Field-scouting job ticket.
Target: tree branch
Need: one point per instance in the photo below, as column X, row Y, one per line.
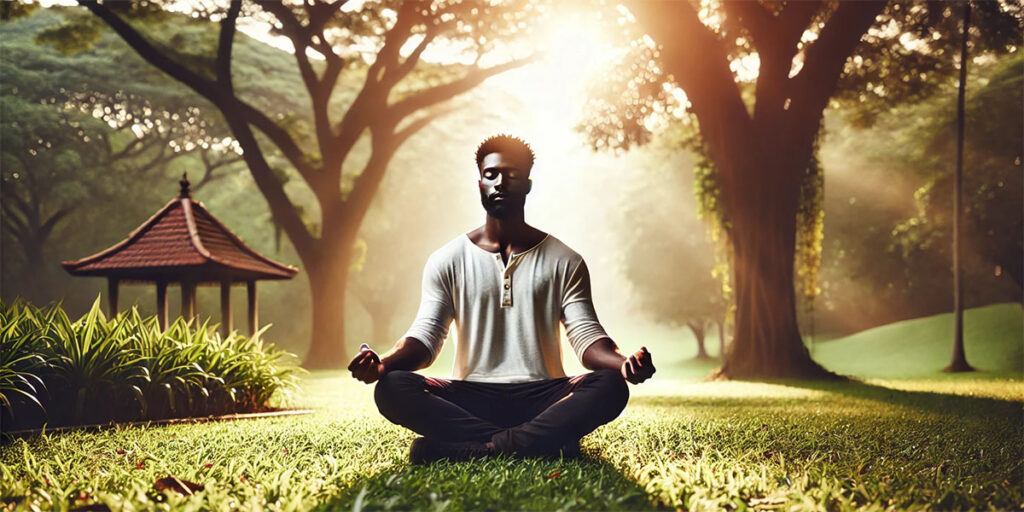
column 366, row 184
column 227, row 37
column 204, row 87
column 17, row 225
column 698, row 62
column 824, row 61
column 403, row 69
column 47, row 227
column 285, row 213
column 434, row 95
column 300, row 37
column 751, row 16
column 375, row 89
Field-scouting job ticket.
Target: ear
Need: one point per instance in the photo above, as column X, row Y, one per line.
column 529, row 185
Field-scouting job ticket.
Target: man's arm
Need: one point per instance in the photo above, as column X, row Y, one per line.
column 582, row 326
column 408, row 354
column 423, row 339
column 604, row 354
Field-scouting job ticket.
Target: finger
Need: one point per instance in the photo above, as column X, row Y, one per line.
column 363, row 347
column 363, row 356
column 355, row 361
column 635, row 362
column 363, row 373
column 360, row 367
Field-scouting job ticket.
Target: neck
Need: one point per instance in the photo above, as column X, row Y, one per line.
column 508, row 230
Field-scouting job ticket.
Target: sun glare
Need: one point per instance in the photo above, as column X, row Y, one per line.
column 572, row 53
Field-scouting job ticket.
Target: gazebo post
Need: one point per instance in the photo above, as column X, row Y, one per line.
column 161, row 304
column 112, row 295
column 188, row 297
column 250, row 288
column 225, row 307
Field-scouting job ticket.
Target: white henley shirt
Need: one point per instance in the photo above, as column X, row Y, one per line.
column 506, row 316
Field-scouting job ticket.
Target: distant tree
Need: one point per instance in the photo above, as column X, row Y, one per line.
column 667, row 256
column 992, row 174
column 376, row 48
column 887, row 253
column 761, row 137
column 68, row 141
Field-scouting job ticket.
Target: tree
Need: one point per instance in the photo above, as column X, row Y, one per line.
column 761, row 136
column 667, row 257
column 68, row 143
column 380, row 44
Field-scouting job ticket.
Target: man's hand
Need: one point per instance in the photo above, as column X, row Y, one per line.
column 366, row 366
column 638, row 367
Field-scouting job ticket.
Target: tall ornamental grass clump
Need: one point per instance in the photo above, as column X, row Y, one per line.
column 56, row 371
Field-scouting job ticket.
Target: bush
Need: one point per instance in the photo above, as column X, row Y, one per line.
column 62, row 372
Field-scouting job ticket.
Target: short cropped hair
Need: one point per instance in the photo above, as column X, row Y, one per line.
column 502, row 143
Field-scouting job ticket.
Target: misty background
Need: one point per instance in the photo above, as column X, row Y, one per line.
column 632, row 215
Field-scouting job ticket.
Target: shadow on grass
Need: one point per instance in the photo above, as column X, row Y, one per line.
column 930, row 401
column 926, row 401
column 589, row 482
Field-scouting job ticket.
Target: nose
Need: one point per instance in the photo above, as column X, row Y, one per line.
column 499, row 180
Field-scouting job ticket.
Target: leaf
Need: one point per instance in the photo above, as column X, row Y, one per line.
column 173, row 483
column 92, row 507
column 556, row 474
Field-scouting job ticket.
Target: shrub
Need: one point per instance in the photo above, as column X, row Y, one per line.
column 62, row 372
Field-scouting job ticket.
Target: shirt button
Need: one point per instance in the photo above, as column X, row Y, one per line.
column 507, row 286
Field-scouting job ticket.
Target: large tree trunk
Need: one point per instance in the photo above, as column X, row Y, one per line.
column 766, row 341
column 328, row 278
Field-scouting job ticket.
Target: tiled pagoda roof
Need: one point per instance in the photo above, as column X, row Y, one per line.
column 182, row 241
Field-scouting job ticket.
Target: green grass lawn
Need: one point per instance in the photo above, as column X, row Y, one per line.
column 693, row 445
column 934, row 441
column 920, row 348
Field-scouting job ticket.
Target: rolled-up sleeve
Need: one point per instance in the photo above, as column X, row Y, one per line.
column 436, row 310
column 581, row 324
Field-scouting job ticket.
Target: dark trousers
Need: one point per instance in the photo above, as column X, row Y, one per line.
column 529, row 418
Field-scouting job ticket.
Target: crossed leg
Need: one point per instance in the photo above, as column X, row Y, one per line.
column 531, row 418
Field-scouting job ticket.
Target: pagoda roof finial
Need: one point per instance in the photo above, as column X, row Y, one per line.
column 185, row 193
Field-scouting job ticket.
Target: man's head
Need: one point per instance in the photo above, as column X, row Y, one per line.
column 504, row 163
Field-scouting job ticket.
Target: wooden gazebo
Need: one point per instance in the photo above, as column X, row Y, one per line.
column 184, row 244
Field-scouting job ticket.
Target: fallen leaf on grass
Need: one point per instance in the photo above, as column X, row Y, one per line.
column 173, row 483
column 120, row 451
column 208, row 465
column 140, row 465
column 556, row 474
column 92, row 507
column 766, row 502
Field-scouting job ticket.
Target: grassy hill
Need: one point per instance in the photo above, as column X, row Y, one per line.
column 993, row 340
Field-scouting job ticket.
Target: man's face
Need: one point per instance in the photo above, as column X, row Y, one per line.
column 504, row 183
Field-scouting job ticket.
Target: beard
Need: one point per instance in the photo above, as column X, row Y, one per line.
column 504, row 208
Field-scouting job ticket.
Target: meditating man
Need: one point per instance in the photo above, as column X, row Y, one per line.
column 507, row 285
